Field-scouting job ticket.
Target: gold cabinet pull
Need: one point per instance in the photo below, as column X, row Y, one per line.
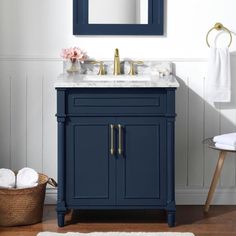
column 120, row 139
column 112, row 150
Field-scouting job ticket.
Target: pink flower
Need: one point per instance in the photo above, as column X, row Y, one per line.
column 74, row 54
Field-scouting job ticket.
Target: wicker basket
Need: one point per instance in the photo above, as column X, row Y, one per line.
column 23, row 206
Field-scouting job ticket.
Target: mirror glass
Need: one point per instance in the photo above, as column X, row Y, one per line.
column 118, row 11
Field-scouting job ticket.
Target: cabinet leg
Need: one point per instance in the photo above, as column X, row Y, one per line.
column 61, row 219
column 171, row 219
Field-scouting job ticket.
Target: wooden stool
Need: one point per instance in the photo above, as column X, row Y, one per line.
column 215, row 179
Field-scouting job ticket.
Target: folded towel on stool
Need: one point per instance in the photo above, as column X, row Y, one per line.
column 7, row 178
column 228, row 139
column 27, row 178
column 225, row 146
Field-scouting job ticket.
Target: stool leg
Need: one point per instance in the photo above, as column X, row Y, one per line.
column 215, row 180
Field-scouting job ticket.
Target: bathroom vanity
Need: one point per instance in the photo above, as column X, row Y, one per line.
column 116, row 144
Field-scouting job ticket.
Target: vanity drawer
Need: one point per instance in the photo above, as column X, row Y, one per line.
column 118, row 102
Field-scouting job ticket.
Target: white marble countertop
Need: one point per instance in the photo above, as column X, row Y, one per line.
column 82, row 81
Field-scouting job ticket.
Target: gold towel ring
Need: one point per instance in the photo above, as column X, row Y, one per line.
column 219, row 26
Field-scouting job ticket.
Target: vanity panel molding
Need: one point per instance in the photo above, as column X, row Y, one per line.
column 140, row 167
column 116, row 158
column 124, row 102
column 90, row 169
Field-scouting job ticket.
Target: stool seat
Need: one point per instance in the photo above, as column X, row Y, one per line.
column 211, row 144
column 222, row 154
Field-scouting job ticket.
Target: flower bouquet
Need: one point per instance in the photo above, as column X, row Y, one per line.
column 74, row 55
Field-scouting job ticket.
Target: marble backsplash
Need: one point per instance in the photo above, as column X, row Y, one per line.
column 147, row 68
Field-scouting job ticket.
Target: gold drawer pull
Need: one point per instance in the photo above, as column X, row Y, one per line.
column 120, row 139
column 112, row 150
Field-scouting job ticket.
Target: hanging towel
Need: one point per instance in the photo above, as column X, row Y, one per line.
column 218, row 82
column 7, row 178
column 26, row 178
column 227, row 139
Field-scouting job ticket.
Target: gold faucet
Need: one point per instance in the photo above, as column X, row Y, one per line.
column 116, row 63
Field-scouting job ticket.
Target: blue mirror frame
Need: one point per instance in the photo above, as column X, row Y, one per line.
column 155, row 24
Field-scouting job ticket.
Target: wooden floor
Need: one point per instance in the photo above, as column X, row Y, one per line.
column 220, row 221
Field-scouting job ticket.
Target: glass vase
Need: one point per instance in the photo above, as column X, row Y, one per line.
column 73, row 67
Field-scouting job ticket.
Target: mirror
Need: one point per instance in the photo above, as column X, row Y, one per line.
column 118, row 17
column 118, row 12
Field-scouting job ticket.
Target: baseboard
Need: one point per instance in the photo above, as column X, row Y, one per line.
column 51, row 196
column 185, row 196
column 198, row 196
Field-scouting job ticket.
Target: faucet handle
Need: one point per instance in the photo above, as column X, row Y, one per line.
column 132, row 69
column 101, row 67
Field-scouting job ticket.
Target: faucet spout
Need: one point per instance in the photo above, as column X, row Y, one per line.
column 116, row 63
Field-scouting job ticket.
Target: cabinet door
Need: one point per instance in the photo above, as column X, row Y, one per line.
column 141, row 167
column 90, row 166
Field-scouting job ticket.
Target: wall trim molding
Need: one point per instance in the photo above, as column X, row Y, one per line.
column 185, row 196
column 56, row 58
column 52, row 58
column 29, row 58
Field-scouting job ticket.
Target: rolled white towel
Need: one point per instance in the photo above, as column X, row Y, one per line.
column 27, row 178
column 7, row 178
column 225, row 146
column 228, row 139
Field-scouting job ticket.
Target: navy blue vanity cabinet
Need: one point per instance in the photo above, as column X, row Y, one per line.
column 141, row 171
column 90, row 169
column 116, row 149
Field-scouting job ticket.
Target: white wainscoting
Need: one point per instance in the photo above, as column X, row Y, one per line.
column 28, row 125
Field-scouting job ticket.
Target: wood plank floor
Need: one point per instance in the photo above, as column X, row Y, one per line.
column 220, row 221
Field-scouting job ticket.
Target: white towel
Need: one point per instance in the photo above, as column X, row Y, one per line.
column 7, row 178
column 225, row 146
column 26, row 178
column 227, row 139
column 218, row 82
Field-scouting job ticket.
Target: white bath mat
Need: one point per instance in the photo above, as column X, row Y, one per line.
column 115, row 234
